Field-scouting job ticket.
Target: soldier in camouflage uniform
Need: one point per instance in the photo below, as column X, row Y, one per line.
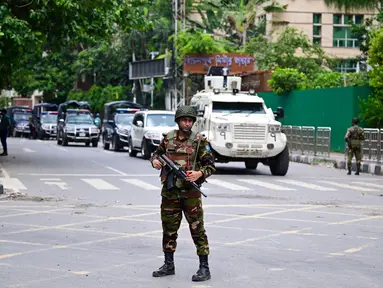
column 192, row 152
column 354, row 137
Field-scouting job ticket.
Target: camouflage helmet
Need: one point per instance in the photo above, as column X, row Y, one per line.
column 185, row 111
column 355, row 120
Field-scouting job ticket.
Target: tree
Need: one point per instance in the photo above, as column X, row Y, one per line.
column 235, row 18
column 50, row 25
column 282, row 52
column 372, row 107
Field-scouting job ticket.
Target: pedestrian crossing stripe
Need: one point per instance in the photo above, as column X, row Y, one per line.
column 247, row 184
column 347, row 186
column 141, row 184
column 306, row 185
column 266, row 185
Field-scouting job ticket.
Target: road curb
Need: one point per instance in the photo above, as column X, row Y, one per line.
column 370, row 168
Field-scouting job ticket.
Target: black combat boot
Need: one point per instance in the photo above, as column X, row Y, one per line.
column 203, row 272
column 349, row 171
column 357, row 170
column 168, row 268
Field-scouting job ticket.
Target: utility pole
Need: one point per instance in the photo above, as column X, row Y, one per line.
column 179, row 11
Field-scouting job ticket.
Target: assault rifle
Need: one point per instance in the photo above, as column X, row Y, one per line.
column 178, row 171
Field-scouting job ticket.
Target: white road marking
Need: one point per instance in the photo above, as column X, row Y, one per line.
column 62, row 149
column 55, row 181
column 347, row 186
column 100, row 184
column 3, row 171
column 141, row 184
column 117, row 171
column 226, row 185
column 29, row 150
column 307, row 185
column 266, row 185
column 85, row 175
column 369, row 184
column 12, row 183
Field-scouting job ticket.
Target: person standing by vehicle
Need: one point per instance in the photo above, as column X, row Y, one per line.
column 97, row 120
column 4, row 126
column 192, row 152
column 354, row 137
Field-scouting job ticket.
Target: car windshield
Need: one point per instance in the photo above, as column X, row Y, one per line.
column 48, row 119
column 21, row 116
column 238, row 107
column 80, row 119
column 160, row 120
column 124, row 119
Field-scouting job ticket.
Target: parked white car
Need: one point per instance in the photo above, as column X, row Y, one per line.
column 147, row 129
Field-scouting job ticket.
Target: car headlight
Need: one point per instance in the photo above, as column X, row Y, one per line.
column 223, row 127
column 94, row 130
column 274, row 128
column 152, row 135
column 45, row 126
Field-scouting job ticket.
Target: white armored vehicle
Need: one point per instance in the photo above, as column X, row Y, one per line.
column 238, row 125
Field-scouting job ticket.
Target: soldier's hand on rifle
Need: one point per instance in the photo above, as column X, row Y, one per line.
column 193, row 176
column 157, row 164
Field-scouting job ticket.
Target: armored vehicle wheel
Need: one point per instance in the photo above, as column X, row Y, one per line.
column 132, row 153
column 280, row 164
column 94, row 143
column 87, row 143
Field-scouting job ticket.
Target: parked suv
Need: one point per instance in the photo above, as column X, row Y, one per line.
column 118, row 116
column 76, row 125
column 147, row 130
column 44, row 119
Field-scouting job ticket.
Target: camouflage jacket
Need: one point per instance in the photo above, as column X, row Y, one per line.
column 354, row 135
column 204, row 162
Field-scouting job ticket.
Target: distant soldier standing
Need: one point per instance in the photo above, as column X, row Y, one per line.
column 354, row 137
column 192, row 152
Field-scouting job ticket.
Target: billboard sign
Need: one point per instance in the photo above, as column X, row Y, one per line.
column 148, row 69
column 237, row 62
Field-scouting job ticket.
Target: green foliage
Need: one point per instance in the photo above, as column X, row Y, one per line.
column 286, row 80
column 282, row 52
column 199, row 42
column 353, row 4
column 51, row 25
column 372, row 110
column 372, row 107
column 98, row 96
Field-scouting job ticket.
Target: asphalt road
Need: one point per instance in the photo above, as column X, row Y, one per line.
column 85, row 217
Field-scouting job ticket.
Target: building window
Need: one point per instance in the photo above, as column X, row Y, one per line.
column 317, row 18
column 317, row 29
column 342, row 36
column 347, row 66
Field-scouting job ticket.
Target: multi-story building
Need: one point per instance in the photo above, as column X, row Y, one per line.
column 325, row 25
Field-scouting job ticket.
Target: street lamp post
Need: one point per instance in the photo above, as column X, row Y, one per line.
column 153, row 54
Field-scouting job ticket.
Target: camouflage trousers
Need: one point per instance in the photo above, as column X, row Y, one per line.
column 358, row 156
column 171, row 216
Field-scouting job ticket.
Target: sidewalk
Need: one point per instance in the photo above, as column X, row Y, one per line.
column 338, row 160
